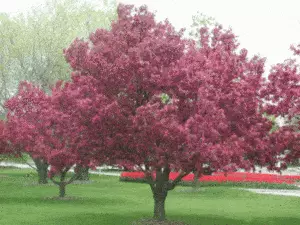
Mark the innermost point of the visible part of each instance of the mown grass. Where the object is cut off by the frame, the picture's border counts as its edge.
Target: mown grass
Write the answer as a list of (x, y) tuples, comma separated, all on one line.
[(108, 201), (21, 159)]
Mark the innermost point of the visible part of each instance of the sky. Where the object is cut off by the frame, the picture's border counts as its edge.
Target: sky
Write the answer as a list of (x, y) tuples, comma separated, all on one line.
[(265, 27)]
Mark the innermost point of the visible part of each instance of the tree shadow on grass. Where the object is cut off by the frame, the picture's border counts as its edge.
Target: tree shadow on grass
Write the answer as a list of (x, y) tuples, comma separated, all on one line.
[(219, 220), (70, 200), (129, 219), (95, 218)]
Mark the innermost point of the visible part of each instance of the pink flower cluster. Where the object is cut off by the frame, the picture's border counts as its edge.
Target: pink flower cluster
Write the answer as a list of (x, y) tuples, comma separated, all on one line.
[(229, 177)]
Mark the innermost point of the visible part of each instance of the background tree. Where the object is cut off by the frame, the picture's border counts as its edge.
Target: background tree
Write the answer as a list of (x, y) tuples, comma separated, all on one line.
[(212, 115), (200, 20), (33, 43), (9, 28), (51, 128), (5, 148), (282, 92), (92, 119), (25, 122), (44, 63)]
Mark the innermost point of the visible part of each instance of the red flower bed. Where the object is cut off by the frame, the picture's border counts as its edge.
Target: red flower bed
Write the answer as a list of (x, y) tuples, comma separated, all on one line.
[(230, 177)]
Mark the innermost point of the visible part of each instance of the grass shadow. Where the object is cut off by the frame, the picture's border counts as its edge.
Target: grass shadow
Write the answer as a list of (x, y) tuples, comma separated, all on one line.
[(105, 218)]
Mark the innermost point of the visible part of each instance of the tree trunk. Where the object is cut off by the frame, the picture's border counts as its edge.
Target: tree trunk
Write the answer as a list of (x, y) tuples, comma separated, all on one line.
[(83, 173), (62, 189), (196, 179), (159, 206), (42, 174), (160, 192), (62, 183), (42, 170), (160, 187)]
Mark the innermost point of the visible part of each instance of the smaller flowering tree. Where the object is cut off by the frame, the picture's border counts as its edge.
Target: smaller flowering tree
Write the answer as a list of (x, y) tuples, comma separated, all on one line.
[(93, 119), (282, 95), (24, 124), (53, 127), (5, 147)]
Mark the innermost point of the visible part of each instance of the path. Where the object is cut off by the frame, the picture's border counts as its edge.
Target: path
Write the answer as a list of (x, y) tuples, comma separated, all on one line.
[(282, 192)]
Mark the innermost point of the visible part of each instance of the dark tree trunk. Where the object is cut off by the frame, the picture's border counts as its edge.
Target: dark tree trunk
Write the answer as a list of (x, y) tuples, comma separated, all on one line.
[(82, 173), (196, 179), (160, 187), (62, 184), (160, 192), (159, 206), (42, 170), (62, 189)]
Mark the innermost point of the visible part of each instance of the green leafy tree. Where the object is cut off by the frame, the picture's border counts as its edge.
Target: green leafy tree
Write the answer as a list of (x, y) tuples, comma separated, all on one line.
[(32, 44), (52, 27), (200, 20), (10, 47)]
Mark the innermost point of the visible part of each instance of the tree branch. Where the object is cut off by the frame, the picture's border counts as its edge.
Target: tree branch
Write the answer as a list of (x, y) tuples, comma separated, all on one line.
[(149, 179), (64, 173), (27, 163), (173, 184), (148, 175), (63, 176), (73, 178), (54, 181)]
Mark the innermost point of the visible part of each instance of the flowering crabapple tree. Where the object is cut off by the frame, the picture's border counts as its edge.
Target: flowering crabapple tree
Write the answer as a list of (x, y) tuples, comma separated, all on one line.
[(51, 127), (5, 147), (212, 112), (74, 107), (89, 111), (282, 95), (33, 126), (217, 89), (24, 123)]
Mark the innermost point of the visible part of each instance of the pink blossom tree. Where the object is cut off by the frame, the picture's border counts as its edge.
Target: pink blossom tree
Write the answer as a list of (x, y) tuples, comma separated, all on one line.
[(5, 147), (53, 127), (24, 124), (213, 113), (281, 93)]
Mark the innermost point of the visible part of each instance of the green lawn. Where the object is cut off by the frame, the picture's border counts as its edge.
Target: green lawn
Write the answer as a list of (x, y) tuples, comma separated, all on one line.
[(108, 201)]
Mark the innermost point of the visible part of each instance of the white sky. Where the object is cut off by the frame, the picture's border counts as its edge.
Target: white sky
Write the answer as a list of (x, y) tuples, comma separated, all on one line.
[(267, 27)]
